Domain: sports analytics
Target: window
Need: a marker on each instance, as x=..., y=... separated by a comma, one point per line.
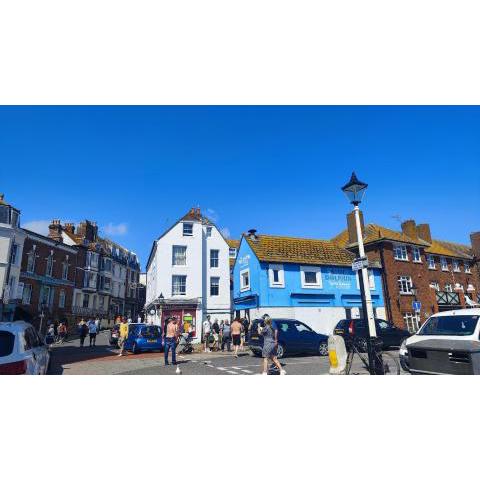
x=456, y=266
x=431, y=262
x=435, y=286
x=449, y=287
x=214, y=258
x=31, y=261
x=400, y=252
x=276, y=276
x=209, y=232
x=27, y=294
x=101, y=302
x=214, y=286
x=405, y=285
x=49, y=269
x=179, y=285
x=311, y=277
x=179, y=255
x=61, y=299
x=187, y=229
x=417, y=258
x=412, y=321
x=65, y=270
x=245, y=280
x=13, y=254
x=86, y=300
x=444, y=264
x=232, y=252
x=467, y=268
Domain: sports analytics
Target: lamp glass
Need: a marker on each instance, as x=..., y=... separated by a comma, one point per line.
x=355, y=190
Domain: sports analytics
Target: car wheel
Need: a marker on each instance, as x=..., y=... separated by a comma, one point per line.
x=280, y=351
x=323, y=349
x=256, y=353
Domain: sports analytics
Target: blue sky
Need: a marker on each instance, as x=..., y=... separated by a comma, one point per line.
x=136, y=170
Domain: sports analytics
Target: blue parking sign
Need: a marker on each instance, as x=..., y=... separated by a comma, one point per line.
x=417, y=306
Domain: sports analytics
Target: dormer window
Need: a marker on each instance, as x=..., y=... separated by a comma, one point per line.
x=444, y=264
x=431, y=262
x=467, y=268
x=417, y=258
x=400, y=252
x=209, y=232
x=232, y=252
x=456, y=266
x=187, y=229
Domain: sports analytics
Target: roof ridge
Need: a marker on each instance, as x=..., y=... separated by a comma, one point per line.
x=293, y=238
x=452, y=243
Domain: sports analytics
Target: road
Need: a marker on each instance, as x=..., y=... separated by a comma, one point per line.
x=71, y=359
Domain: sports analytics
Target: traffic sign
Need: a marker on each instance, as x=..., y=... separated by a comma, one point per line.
x=359, y=263
x=417, y=306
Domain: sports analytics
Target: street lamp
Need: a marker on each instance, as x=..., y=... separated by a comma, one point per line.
x=355, y=191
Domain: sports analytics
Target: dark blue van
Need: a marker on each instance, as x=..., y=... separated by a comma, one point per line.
x=294, y=338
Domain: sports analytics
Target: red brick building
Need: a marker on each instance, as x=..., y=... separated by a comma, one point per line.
x=47, y=280
x=441, y=275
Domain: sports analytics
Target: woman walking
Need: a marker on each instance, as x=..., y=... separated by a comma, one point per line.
x=270, y=343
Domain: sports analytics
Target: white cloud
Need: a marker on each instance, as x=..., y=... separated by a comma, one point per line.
x=225, y=232
x=115, y=230
x=212, y=215
x=38, y=226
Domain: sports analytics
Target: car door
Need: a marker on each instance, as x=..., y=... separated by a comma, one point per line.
x=307, y=338
x=288, y=336
x=386, y=333
x=29, y=351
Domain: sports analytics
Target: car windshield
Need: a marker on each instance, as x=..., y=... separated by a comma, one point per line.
x=7, y=340
x=455, y=325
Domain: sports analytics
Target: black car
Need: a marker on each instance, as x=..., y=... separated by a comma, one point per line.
x=294, y=338
x=390, y=335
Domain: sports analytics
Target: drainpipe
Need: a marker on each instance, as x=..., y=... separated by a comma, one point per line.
x=385, y=288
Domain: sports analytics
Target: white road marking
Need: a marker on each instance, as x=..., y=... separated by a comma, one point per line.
x=233, y=372
x=247, y=371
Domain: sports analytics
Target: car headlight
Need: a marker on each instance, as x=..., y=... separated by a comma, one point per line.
x=403, y=348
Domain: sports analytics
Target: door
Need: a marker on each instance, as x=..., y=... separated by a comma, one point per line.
x=288, y=335
x=386, y=333
x=307, y=338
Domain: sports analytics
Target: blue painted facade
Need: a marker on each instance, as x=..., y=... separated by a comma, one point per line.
x=339, y=285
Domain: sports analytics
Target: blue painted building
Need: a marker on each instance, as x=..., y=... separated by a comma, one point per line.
x=305, y=279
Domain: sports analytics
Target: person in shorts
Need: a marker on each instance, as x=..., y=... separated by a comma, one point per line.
x=236, y=329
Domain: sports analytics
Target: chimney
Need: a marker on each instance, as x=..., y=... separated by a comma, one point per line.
x=352, y=227
x=409, y=228
x=252, y=235
x=88, y=230
x=423, y=232
x=475, y=239
x=70, y=228
x=55, y=231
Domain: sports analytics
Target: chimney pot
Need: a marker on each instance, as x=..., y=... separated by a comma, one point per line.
x=409, y=228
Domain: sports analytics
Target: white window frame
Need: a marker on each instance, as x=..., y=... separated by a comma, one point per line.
x=444, y=264
x=317, y=271
x=179, y=294
x=173, y=256
x=208, y=232
x=431, y=262
x=456, y=266
x=218, y=286
x=416, y=255
x=49, y=268
x=61, y=298
x=409, y=284
x=243, y=287
x=403, y=249
x=218, y=258
x=281, y=275
x=232, y=252
x=27, y=287
x=467, y=268
x=435, y=286
x=183, y=229
x=31, y=258
x=412, y=321
x=448, y=288
x=371, y=279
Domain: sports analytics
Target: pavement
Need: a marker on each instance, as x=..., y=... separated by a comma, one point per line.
x=71, y=359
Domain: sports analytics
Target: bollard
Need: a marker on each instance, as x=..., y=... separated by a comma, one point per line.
x=337, y=354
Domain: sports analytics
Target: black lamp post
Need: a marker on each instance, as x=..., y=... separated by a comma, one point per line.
x=355, y=191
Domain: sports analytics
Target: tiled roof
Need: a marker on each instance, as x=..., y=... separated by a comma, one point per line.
x=269, y=248
x=195, y=215
x=233, y=243
x=374, y=233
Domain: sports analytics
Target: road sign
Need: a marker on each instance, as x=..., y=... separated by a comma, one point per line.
x=417, y=306
x=359, y=263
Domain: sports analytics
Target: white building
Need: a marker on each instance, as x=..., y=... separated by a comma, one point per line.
x=12, y=238
x=188, y=274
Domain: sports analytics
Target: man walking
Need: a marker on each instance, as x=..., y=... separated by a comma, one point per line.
x=170, y=341
x=122, y=335
x=207, y=328
x=82, y=331
x=92, y=331
x=236, y=335
x=216, y=335
x=226, y=336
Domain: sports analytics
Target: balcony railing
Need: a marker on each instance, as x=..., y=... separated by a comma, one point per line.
x=447, y=298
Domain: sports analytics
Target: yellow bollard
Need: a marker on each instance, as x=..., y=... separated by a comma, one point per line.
x=337, y=354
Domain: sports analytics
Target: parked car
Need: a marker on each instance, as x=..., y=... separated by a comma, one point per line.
x=294, y=337
x=142, y=338
x=444, y=343
x=22, y=350
x=390, y=335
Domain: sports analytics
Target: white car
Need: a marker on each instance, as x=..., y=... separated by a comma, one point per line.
x=22, y=350
x=453, y=328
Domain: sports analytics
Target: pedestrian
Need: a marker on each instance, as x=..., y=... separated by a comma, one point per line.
x=236, y=329
x=82, y=331
x=51, y=332
x=97, y=324
x=207, y=328
x=270, y=344
x=216, y=335
x=92, y=331
x=220, y=335
x=62, y=332
x=226, y=336
x=122, y=335
x=55, y=330
x=170, y=341
x=246, y=328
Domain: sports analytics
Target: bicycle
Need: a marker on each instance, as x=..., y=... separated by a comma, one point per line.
x=391, y=365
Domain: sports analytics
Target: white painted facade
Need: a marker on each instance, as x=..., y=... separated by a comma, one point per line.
x=184, y=270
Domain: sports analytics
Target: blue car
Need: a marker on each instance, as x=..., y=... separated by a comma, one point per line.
x=294, y=338
x=143, y=338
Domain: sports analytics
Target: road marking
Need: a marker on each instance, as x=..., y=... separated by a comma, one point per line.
x=247, y=371
x=233, y=372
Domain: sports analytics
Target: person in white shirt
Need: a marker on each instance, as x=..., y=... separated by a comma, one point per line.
x=92, y=331
x=207, y=327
